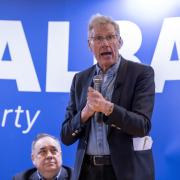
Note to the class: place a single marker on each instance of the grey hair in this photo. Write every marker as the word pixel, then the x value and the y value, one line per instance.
pixel 40 136
pixel 99 19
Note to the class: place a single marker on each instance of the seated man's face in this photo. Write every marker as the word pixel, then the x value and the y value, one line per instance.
pixel 46 156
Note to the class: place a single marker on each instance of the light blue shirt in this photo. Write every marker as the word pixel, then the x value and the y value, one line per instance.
pixel 98 144
pixel 41 178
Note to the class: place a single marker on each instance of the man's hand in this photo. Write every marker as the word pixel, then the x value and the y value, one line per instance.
pixel 95 100
pixel 86 113
pixel 95 103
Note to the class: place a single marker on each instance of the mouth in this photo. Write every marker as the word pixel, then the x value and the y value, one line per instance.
pixel 50 163
pixel 106 53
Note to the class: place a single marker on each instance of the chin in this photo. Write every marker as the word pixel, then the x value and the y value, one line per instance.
pixel 51 169
pixel 51 165
pixel 108 62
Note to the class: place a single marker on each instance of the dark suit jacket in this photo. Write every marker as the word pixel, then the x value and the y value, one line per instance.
pixel 31 174
pixel 133 97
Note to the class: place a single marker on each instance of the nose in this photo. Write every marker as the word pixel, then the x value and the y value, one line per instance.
pixel 104 41
pixel 49 155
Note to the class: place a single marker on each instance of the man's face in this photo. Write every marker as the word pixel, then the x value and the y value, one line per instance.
pixel 47 157
pixel 105 44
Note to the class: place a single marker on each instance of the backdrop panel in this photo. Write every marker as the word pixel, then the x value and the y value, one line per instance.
pixel 43 43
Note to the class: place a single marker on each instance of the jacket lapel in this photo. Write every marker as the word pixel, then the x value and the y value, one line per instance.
pixel 121 75
pixel 88 82
pixel 63 175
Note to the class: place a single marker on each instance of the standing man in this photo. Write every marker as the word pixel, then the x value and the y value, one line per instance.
pixel 112 125
pixel 47 159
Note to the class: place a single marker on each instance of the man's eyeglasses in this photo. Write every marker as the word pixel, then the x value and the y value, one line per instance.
pixel 99 39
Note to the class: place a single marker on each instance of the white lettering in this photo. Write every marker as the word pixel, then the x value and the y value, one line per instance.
pixel 29 121
pixel 6 112
pixel 20 67
pixel 132 39
pixel 165 68
pixel 16 114
pixel 58 77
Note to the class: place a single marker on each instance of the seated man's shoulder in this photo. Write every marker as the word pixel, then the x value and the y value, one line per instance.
pixel 66 172
pixel 26 175
pixel 30 174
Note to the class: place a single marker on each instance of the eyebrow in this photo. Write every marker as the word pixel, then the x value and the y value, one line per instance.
pixel 108 34
pixel 45 147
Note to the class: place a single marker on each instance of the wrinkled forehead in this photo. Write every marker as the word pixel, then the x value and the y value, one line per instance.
pixel 102 29
pixel 46 142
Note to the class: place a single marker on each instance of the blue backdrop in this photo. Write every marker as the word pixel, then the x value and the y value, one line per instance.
pixel 44 42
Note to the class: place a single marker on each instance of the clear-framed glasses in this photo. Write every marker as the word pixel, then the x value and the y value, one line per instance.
pixel 99 39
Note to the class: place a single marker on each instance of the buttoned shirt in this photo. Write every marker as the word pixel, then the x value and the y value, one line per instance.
pixel 98 144
pixel 55 178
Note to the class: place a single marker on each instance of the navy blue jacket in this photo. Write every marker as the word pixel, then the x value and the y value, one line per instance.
pixel 31 174
pixel 133 97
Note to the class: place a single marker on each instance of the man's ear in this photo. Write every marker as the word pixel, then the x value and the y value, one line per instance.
pixel 120 42
pixel 89 44
pixel 33 159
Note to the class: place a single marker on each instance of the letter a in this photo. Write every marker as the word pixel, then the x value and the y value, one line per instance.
pixel 165 68
pixel 20 67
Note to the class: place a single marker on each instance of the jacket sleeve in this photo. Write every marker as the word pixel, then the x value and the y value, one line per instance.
pixel 72 128
pixel 136 120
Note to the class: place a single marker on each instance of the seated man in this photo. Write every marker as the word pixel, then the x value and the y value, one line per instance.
pixel 47 159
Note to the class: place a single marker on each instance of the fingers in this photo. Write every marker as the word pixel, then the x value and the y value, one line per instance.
pixel 86 113
pixel 94 99
pixel 90 89
pixel 92 93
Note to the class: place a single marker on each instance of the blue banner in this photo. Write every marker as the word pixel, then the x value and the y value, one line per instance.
pixel 44 43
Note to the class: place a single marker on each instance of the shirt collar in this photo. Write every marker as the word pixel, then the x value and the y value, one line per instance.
pixel 113 69
pixel 41 178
